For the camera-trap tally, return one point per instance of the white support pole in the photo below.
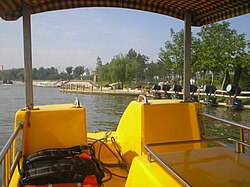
(27, 58)
(187, 54)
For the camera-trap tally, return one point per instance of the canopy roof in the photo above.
(202, 11)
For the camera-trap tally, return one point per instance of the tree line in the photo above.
(219, 55)
(52, 73)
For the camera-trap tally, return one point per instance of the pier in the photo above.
(82, 88)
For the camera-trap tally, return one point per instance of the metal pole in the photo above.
(242, 140)
(225, 121)
(248, 136)
(3, 173)
(27, 57)
(187, 53)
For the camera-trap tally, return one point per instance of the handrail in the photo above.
(8, 166)
(173, 172)
(150, 152)
(144, 97)
(224, 121)
(240, 126)
(16, 160)
(186, 142)
(237, 144)
(10, 141)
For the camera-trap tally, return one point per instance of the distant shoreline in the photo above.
(13, 83)
(18, 82)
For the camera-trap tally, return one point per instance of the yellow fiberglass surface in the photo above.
(158, 121)
(52, 126)
(141, 124)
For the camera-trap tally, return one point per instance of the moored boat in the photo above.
(157, 142)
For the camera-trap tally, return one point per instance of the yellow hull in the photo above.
(60, 126)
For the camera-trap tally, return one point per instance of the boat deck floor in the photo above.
(114, 180)
(114, 176)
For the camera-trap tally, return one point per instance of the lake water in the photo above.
(103, 111)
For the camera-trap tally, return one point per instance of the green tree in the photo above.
(63, 76)
(20, 75)
(42, 73)
(172, 55)
(221, 49)
(99, 69)
(35, 73)
(87, 74)
(245, 75)
(132, 65)
(106, 74)
(78, 72)
(142, 60)
(69, 70)
(155, 72)
(135, 65)
(118, 69)
(98, 63)
(52, 73)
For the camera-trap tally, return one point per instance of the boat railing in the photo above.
(144, 98)
(152, 155)
(244, 131)
(9, 158)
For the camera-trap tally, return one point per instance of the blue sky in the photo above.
(76, 37)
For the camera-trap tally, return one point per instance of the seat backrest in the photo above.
(157, 122)
(169, 122)
(54, 126)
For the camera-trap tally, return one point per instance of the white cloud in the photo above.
(78, 36)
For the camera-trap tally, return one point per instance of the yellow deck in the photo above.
(219, 166)
(159, 121)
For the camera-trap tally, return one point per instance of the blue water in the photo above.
(103, 111)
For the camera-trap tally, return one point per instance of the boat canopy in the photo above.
(202, 12)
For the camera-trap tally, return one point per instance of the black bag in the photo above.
(53, 166)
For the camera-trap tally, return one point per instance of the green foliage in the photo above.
(155, 72)
(69, 71)
(87, 75)
(172, 55)
(12, 74)
(123, 68)
(216, 51)
(245, 101)
(118, 69)
(78, 72)
(219, 50)
(99, 66)
(46, 73)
